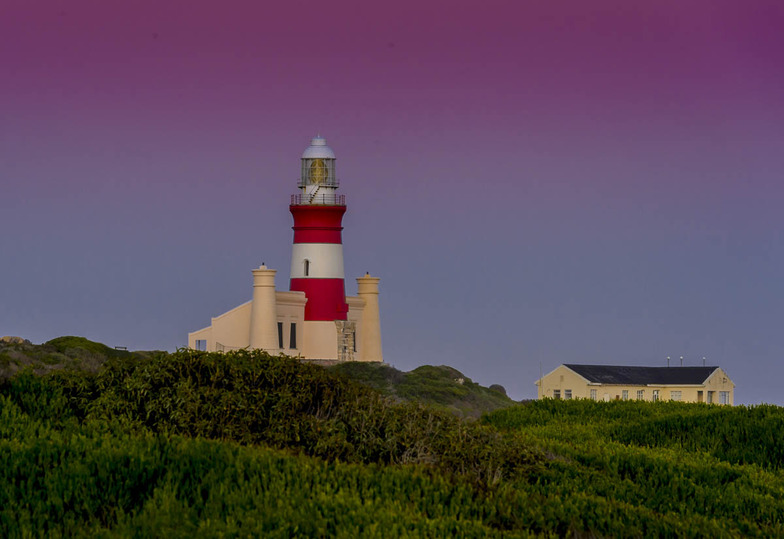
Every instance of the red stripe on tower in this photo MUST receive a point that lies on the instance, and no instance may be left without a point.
(317, 224)
(317, 254)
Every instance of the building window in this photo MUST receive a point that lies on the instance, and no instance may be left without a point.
(655, 396)
(556, 394)
(724, 397)
(699, 396)
(640, 394)
(293, 335)
(201, 344)
(625, 394)
(307, 267)
(710, 397)
(593, 394)
(676, 395)
(280, 334)
(567, 394)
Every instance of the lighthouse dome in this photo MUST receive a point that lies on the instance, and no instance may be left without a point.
(318, 149)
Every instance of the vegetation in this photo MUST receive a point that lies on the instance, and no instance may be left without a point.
(254, 398)
(634, 454)
(247, 444)
(442, 388)
(75, 353)
(71, 344)
(98, 479)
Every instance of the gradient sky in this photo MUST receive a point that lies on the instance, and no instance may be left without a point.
(536, 183)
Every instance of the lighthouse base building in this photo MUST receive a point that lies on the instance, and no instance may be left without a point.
(314, 319)
(274, 321)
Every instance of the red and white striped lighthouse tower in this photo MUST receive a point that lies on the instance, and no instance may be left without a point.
(317, 255)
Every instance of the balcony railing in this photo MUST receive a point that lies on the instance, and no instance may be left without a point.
(327, 199)
(329, 182)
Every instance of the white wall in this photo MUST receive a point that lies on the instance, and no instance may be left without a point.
(326, 260)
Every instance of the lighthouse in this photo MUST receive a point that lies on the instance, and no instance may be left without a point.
(317, 255)
(314, 319)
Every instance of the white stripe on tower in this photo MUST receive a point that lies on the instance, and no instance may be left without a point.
(317, 261)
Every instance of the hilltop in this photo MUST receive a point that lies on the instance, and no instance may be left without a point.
(442, 387)
(69, 352)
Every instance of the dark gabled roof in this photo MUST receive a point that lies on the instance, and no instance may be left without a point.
(612, 374)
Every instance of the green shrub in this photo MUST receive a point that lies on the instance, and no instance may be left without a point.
(92, 482)
(442, 388)
(69, 344)
(255, 398)
(179, 444)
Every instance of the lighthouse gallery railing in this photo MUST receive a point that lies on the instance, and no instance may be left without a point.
(327, 199)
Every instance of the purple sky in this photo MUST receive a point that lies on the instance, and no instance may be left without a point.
(536, 183)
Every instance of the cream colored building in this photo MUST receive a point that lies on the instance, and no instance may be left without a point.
(274, 321)
(609, 382)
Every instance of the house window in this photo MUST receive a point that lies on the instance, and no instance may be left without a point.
(724, 397)
(640, 394)
(625, 394)
(699, 396)
(280, 334)
(710, 397)
(655, 396)
(201, 344)
(675, 395)
(354, 339)
(593, 394)
(556, 393)
(567, 394)
(293, 335)
(307, 267)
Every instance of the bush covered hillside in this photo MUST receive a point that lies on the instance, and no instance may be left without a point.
(196, 443)
(443, 388)
(75, 353)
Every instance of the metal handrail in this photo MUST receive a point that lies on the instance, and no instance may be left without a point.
(329, 182)
(327, 199)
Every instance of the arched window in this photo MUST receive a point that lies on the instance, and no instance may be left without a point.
(307, 267)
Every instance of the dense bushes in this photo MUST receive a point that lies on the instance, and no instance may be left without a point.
(441, 388)
(247, 444)
(253, 398)
(739, 435)
(89, 480)
(601, 449)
